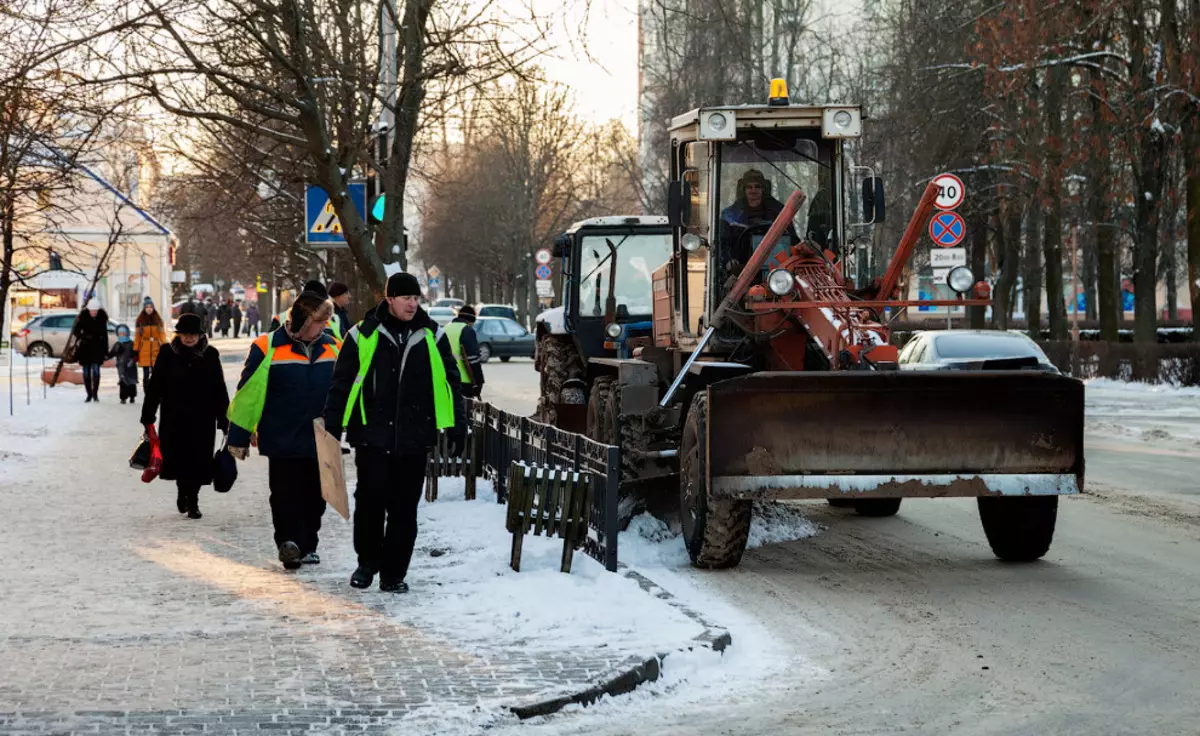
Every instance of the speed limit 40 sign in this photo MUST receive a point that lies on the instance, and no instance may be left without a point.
(950, 192)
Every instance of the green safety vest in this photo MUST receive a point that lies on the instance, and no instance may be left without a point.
(443, 396)
(454, 331)
(246, 408)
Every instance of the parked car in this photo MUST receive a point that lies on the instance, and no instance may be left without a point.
(496, 310)
(442, 315)
(46, 336)
(454, 304)
(503, 338)
(958, 350)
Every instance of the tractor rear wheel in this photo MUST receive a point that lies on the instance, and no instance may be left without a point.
(715, 530)
(598, 417)
(841, 503)
(877, 507)
(1019, 529)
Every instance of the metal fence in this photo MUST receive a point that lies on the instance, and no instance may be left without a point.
(498, 439)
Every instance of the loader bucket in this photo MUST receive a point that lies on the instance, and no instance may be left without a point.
(894, 434)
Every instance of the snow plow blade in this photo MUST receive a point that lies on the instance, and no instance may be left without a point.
(895, 434)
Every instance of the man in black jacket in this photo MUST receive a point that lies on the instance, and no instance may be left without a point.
(392, 394)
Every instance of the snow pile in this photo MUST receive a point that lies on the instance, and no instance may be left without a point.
(463, 554)
(1147, 412)
(778, 522)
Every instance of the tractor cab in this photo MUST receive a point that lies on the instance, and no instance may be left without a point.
(607, 271)
(732, 169)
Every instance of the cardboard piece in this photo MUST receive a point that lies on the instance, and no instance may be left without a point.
(333, 473)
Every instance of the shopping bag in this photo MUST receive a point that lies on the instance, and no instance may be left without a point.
(225, 470)
(154, 467)
(140, 459)
(333, 474)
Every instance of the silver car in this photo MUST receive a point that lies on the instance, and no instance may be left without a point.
(959, 350)
(46, 335)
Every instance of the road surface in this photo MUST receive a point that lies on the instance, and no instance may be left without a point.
(909, 624)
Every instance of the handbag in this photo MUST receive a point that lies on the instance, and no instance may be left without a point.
(225, 470)
(140, 459)
(154, 467)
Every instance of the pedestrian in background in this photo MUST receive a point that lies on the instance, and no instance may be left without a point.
(391, 395)
(284, 383)
(126, 360)
(253, 321)
(235, 312)
(224, 316)
(187, 382)
(210, 314)
(149, 337)
(464, 343)
(91, 346)
(340, 294)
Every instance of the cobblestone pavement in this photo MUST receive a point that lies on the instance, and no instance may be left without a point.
(121, 616)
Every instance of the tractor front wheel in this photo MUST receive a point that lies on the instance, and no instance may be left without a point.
(558, 363)
(1019, 529)
(715, 530)
(877, 507)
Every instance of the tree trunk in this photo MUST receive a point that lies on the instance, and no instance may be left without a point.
(1052, 234)
(1145, 248)
(1009, 263)
(1171, 273)
(1191, 161)
(1033, 274)
(7, 224)
(1088, 257)
(1108, 284)
(977, 316)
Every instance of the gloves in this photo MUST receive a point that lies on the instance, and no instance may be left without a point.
(238, 452)
(456, 442)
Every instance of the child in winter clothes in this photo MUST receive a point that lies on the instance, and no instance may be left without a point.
(127, 364)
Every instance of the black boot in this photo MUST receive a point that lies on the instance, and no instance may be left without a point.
(362, 577)
(181, 502)
(290, 555)
(193, 506)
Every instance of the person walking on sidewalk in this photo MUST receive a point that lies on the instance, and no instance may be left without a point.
(224, 316)
(252, 319)
(391, 395)
(235, 312)
(284, 383)
(91, 346)
(187, 382)
(126, 358)
(464, 343)
(340, 324)
(149, 337)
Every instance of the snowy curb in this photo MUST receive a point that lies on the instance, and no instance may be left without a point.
(628, 677)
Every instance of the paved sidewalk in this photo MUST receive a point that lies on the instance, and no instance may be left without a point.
(120, 615)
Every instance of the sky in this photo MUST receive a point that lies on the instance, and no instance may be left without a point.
(596, 56)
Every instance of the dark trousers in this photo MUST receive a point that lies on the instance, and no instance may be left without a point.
(128, 391)
(91, 379)
(385, 510)
(189, 492)
(296, 502)
(145, 376)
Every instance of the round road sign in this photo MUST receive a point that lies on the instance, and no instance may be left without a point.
(950, 191)
(543, 272)
(947, 229)
(542, 256)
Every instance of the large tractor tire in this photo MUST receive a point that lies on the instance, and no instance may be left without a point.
(841, 503)
(715, 530)
(877, 507)
(599, 418)
(1019, 529)
(558, 362)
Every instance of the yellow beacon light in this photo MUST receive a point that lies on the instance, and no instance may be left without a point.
(779, 93)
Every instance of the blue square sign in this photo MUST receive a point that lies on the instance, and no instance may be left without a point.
(322, 226)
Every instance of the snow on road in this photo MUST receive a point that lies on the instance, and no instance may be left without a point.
(1142, 411)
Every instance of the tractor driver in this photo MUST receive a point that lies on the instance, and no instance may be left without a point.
(754, 206)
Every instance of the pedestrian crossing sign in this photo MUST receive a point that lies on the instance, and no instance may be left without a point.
(324, 227)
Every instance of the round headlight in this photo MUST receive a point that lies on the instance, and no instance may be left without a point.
(842, 119)
(780, 282)
(613, 330)
(717, 121)
(690, 242)
(960, 279)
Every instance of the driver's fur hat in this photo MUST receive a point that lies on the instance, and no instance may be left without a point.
(756, 176)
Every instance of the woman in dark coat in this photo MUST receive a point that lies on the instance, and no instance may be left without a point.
(91, 346)
(188, 382)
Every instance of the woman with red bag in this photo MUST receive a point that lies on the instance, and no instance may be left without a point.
(188, 383)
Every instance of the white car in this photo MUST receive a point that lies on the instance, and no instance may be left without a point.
(442, 315)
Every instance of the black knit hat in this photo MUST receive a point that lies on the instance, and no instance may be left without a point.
(403, 284)
(316, 287)
(189, 324)
(337, 288)
(467, 311)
